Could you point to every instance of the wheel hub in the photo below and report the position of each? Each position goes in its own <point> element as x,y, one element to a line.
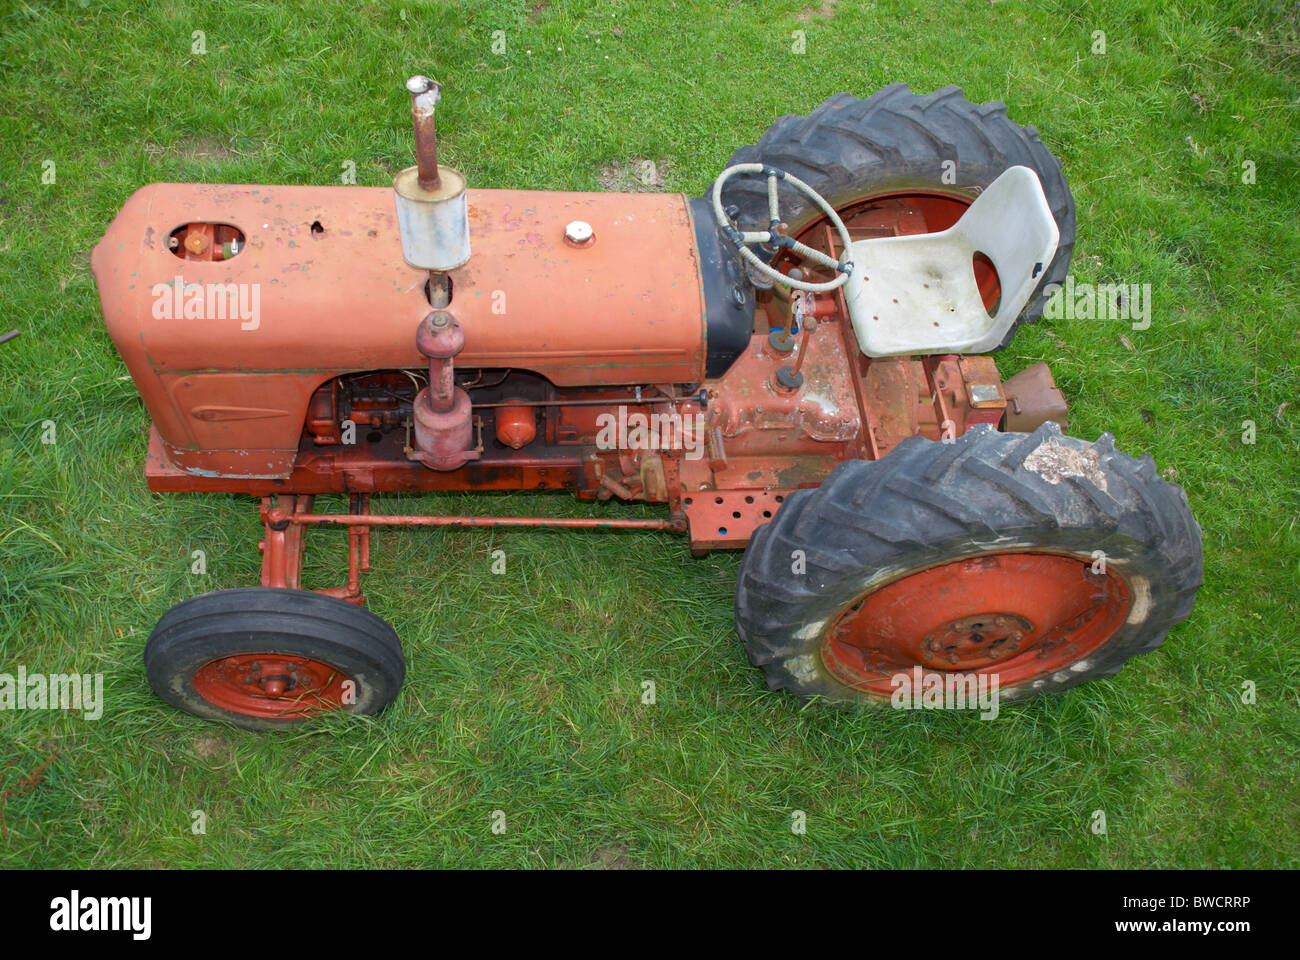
<point>275,678</point>
<point>271,685</point>
<point>976,640</point>
<point>1020,616</point>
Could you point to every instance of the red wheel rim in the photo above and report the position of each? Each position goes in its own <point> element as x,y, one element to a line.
<point>1020,616</point>
<point>272,685</point>
<point>902,214</point>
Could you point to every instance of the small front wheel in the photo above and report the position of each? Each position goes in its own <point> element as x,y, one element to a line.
<point>264,658</point>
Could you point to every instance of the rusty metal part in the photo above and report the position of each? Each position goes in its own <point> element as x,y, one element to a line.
<point>516,425</point>
<point>396,520</point>
<point>788,379</point>
<point>759,445</point>
<point>206,241</point>
<point>444,439</point>
<point>1032,399</point>
<point>608,486</point>
<point>425,94</point>
<point>631,401</point>
<point>438,289</point>
<point>271,685</point>
<point>442,414</point>
<point>716,450</point>
<point>197,243</point>
<point>965,391</point>
<point>724,519</point>
<point>654,482</point>
<point>286,518</point>
<point>781,340</point>
<point>439,337</point>
<point>282,545</point>
<point>976,639</point>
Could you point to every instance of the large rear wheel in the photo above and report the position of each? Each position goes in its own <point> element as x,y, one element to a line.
<point>901,163</point>
<point>1039,558</point>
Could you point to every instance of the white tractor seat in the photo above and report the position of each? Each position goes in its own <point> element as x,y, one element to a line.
<point>917,294</point>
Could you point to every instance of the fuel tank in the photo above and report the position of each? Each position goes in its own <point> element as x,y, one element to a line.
<point>320,289</point>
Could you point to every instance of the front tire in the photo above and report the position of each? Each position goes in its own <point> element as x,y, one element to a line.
<point>263,658</point>
<point>1039,558</point>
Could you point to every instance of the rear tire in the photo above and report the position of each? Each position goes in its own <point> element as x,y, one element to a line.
<point>973,556</point>
<point>264,658</point>
<point>895,143</point>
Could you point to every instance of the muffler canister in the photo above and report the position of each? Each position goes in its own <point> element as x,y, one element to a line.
<point>434,223</point>
<point>432,208</point>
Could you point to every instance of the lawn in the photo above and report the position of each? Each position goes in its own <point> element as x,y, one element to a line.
<point>524,690</point>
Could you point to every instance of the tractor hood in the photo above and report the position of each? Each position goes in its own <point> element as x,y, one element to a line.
<point>320,289</point>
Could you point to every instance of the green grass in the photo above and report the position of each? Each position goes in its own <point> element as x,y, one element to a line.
<point>524,689</point>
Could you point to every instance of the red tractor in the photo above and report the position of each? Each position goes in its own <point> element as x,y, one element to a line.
<point>792,364</point>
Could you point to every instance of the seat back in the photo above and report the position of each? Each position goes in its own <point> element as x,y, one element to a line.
<point>917,294</point>
<point>1012,225</point>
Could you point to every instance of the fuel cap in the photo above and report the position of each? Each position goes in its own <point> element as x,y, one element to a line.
<point>579,233</point>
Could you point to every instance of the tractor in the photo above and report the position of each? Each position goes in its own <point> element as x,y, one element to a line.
<point>794,364</point>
